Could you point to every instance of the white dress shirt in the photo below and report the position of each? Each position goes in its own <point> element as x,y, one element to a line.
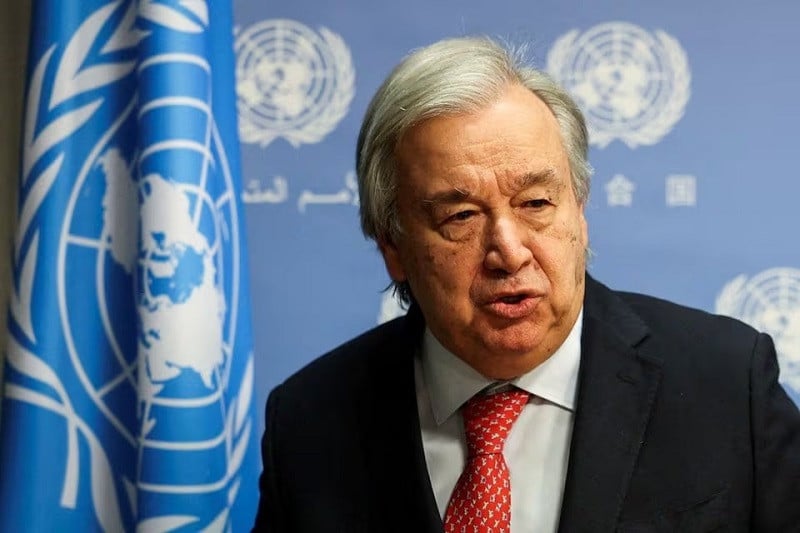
<point>537,448</point>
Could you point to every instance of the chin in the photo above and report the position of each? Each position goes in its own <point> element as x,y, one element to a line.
<point>511,349</point>
<point>506,367</point>
<point>519,338</point>
<point>522,350</point>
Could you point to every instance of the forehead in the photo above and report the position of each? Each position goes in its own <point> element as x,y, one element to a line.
<point>515,136</point>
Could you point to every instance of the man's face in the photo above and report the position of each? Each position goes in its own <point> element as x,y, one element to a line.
<point>493,239</point>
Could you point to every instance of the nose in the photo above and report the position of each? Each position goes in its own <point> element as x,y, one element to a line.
<point>507,250</point>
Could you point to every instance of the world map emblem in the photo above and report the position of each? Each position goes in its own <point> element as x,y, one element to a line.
<point>291,82</point>
<point>186,264</point>
<point>770,302</point>
<point>143,262</point>
<point>631,84</point>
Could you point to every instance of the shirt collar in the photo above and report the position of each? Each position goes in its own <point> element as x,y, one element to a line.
<point>451,382</point>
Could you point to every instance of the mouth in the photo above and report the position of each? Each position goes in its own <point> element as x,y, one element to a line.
<point>513,305</point>
<point>512,299</point>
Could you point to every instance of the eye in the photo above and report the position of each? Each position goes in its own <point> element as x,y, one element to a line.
<point>537,203</point>
<point>461,216</point>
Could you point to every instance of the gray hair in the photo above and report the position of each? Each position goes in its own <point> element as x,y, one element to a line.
<point>452,76</point>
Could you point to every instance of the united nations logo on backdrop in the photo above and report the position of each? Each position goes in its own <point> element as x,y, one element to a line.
<point>292,82</point>
<point>632,85</point>
<point>770,302</point>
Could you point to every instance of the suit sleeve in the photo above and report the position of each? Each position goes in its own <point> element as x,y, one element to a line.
<point>269,518</point>
<point>776,445</point>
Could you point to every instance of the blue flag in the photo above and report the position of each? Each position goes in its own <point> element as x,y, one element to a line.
<point>128,387</point>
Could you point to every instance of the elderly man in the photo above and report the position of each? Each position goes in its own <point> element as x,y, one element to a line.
<point>518,394</point>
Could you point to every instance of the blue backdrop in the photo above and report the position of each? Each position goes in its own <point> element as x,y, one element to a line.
<point>692,108</point>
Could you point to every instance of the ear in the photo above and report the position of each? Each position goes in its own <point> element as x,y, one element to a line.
<point>584,227</point>
<point>391,258</point>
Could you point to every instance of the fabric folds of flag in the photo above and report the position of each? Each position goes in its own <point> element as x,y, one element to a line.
<point>127,402</point>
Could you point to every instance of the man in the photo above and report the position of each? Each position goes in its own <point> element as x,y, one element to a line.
<point>607,411</point>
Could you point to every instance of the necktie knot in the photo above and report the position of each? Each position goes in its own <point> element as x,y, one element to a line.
<point>488,419</point>
<point>481,500</point>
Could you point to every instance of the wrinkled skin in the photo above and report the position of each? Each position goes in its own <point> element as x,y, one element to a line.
<point>493,239</point>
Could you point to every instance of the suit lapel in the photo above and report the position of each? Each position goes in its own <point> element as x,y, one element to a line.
<point>401,497</point>
<point>618,381</point>
<point>619,378</point>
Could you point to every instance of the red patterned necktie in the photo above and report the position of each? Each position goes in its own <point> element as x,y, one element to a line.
<point>481,500</point>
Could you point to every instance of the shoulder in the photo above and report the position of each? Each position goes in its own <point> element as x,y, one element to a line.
<point>349,366</point>
<point>687,340</point>
<point>685,324</point>
<point>664,319</point>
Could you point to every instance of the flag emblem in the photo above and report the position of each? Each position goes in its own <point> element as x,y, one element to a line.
<point>130,338</point>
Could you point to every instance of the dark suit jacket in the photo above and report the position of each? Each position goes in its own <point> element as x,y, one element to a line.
<point>680,426</point>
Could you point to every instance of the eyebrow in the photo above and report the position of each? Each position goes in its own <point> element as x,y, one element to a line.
<point>456,195</point>
<point>452,196</point>
<point>543,177</point>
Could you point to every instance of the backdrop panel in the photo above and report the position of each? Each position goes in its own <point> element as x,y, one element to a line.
<point>692,109</point>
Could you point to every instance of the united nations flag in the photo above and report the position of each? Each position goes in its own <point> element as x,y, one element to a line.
<point>128,382</point>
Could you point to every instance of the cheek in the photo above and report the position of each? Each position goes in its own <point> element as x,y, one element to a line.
<point>562,239</point>
<point>561,251</point>
<point>444,268</point>
<point>576,253</point>
<point>444,261</point>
